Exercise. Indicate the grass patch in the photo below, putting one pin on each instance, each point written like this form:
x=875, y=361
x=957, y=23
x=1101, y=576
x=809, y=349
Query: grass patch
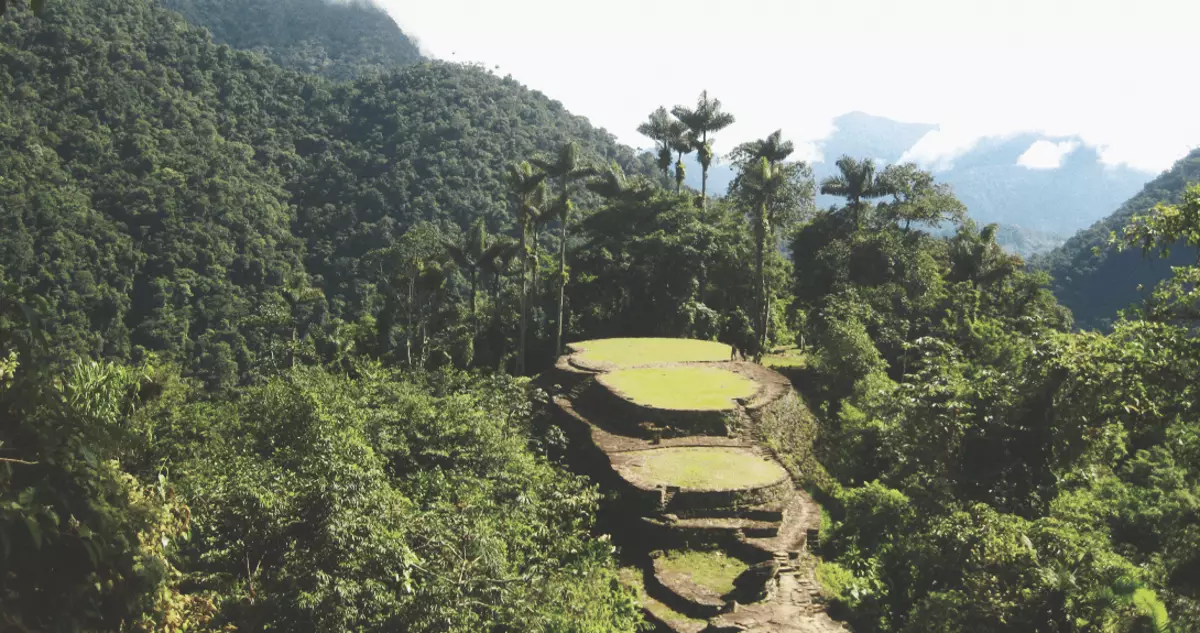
x=685, y=387
x=705, y=468
x=713, y=570
x=631, y=352
x=787, y=358
x=632, y=577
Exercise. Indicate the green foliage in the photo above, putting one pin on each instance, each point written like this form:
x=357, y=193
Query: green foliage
x=1094, y=278
x=381, y=502
x=341, y=40
x=166, y=194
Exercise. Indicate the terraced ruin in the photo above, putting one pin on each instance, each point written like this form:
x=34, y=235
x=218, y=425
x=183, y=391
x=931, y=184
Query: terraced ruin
x=715, y=534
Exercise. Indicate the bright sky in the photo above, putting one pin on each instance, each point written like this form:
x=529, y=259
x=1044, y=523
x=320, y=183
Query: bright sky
x=1119, y=73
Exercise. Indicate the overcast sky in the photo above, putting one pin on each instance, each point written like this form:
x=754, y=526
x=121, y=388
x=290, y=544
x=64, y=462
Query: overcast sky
x=1120, y=73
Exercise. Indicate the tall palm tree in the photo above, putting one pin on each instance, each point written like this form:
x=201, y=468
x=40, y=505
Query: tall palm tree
x=706, y=118
x=658, y=129
x=494, y=263
x=527, y=194
x=773, y=148
x=856, y=183
x=468, y=257
x=763, y=184
x=566, y=169
x=680, y=140
x=611, y=184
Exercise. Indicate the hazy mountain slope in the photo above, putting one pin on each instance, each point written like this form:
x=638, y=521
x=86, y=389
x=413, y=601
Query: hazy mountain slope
x=1095, y=287
x=865, y=136
x=1038, y=208
x=336, y=39
x=1054, y=201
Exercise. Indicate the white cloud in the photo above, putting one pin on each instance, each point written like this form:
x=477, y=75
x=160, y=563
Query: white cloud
x=1045, y=154
x=938, y=148
x=1105, y=71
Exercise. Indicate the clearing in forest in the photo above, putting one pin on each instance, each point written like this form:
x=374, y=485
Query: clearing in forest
x=704, y=468
x=681, y=387
x=633, y=352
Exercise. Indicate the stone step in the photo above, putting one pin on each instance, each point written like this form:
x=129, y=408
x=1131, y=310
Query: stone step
x=690, y=533
x=765, y=512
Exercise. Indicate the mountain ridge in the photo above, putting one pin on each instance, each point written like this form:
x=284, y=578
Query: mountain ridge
x=1039, y=208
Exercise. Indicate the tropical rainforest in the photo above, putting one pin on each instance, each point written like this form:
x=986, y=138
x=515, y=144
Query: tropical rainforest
x=271, y=321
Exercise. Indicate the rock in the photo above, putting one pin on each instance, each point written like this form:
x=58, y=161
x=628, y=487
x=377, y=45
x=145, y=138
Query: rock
x=751, y=585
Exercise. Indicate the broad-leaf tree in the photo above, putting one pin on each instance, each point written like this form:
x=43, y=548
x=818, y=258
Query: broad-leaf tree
x=917, y=198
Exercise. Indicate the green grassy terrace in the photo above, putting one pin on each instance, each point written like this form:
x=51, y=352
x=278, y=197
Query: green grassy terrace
x=687, y=387
x=633, y=352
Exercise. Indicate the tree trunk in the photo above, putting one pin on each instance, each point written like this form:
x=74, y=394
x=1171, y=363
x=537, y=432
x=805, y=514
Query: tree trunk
x=704, y=176
x=537, y=243
x=524, y=304
x=474, y=302
x=562, y=287
x=408, y=321
x=762, y=283
x=679, y=174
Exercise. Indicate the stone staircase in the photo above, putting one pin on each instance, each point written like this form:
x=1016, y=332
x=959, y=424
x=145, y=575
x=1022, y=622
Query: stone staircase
x=773, y=531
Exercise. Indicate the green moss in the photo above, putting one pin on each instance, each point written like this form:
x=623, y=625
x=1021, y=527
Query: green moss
x=632, y=577
x=687, y=387
x=711, y=569
x=632, y=352
x=705, y=468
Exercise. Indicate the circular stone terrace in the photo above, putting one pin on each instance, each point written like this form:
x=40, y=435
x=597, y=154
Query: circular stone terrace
x=652, y=402
x=619, y=353
x=700, y=468
x=680, y=387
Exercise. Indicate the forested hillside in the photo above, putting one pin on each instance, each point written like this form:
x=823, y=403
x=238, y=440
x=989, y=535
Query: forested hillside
x=340, y=40
x=272, y=352
x=1095, y=285
x=158, y=180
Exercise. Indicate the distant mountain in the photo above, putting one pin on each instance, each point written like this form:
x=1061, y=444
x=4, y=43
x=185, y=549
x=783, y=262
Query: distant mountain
x=865, y=136
x=1060, y=200
x=1096, y=286
x=1037, y=207
x=339, y=40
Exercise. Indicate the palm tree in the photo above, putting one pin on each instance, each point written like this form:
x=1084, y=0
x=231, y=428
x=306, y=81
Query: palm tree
x=682, y=143
x=773, y=148
x=706, y=118
x=467, y=257
x=855, y=183
x=566, y=169
x=527, y=195
x=977, y=258
x=773, y=195
x=658, y=129
x=611, y=184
